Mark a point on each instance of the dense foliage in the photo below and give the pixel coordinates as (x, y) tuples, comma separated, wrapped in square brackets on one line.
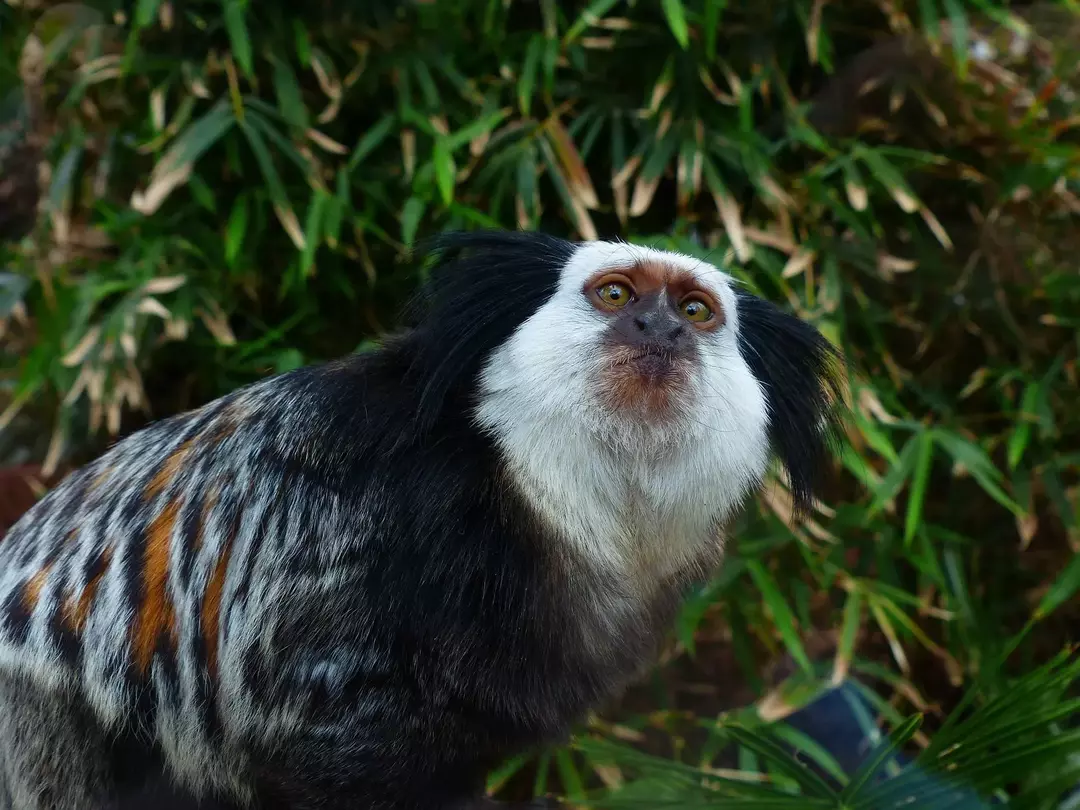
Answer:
[(230, 188)]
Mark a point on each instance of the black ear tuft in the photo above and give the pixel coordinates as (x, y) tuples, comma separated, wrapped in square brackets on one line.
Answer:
[(483, 285), (799, 370)]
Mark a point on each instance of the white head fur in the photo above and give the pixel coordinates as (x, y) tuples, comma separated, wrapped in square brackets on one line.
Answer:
[(627, 492)]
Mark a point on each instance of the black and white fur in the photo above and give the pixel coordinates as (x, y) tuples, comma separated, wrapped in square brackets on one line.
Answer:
[(425, 558)]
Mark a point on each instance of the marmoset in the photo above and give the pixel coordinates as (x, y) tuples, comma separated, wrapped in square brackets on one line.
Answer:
[(366, 583)]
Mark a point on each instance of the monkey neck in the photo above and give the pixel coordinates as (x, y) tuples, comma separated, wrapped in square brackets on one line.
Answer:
[(637, 515)]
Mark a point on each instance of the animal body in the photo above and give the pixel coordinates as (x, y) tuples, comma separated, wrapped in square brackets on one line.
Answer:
[(365, 583)]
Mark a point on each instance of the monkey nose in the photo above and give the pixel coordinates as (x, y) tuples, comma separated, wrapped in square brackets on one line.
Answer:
[(656, 325)]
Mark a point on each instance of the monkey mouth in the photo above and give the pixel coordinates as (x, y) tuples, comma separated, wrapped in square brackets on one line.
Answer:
[(646, 378), (653, 363)]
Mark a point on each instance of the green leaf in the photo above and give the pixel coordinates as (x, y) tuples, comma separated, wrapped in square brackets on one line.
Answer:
[(313, 228), (886, 174), (375, 135), (498, 777), (303, 43), (676, 19), (569, 777), (335, 212), (477, 128), (811, 748), (64, 177), (288, 95), (980, 466), (958, 23), (782, 761), (1065, 585), (711, 25), (924, 459), (898, 473), (781, 613), (145, 11), (1021, 434), (236, 229), (444, 171), (930, 20), (179, 159), (881, 753), (280, 200), (288, 360), (202, 193), (12, 290), (411, 214), (589, 15), (236, 25), (849, 628), (527, 82)]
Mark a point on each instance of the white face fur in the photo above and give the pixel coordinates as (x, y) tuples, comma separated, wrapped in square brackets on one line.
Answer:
[(637, 491)]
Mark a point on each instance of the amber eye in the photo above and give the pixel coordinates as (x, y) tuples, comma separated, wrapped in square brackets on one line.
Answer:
[(615, 294), (696, 310)]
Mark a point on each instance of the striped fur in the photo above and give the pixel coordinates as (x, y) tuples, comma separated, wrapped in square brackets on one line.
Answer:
[(363, 584)]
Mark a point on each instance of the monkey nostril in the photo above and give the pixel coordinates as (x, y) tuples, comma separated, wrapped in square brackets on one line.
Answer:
[(641, 322), (676, 333)]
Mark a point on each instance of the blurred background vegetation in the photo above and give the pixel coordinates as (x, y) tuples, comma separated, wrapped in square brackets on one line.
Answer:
[(198, 193)]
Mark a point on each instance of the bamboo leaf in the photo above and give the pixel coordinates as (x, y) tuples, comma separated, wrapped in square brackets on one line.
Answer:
[(313, 228), (145, 11), (676, 19), (1021, 434), (375, 135), (177, 163), (880, 755), (278, 198), (783, 618), (849, 631), (444, 171), (783, 762), (1064, 587), (236, 229), (924, 457), (236, 25), (411, 214), (288, 95)]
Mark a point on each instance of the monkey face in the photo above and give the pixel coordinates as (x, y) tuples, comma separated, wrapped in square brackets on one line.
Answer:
[(636, 347), (659, 316)]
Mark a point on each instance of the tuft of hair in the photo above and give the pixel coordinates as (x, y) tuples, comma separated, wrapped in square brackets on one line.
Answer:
[(799, 370), (482, 286)]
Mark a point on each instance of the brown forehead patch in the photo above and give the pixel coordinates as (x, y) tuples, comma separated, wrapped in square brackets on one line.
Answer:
[(654, 276)]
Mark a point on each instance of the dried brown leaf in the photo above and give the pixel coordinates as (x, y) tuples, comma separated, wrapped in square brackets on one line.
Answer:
[(83, 347), (216, 323), (856, 195), (798, 263), (888, 264), (644, 190), (576, 175), (936, 227), (732, 219), (151, 306), (327, 143), (288, 220), (147, 202), (163, 285)]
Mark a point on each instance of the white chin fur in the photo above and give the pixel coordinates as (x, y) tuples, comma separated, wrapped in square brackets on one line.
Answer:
[(618, 488)]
